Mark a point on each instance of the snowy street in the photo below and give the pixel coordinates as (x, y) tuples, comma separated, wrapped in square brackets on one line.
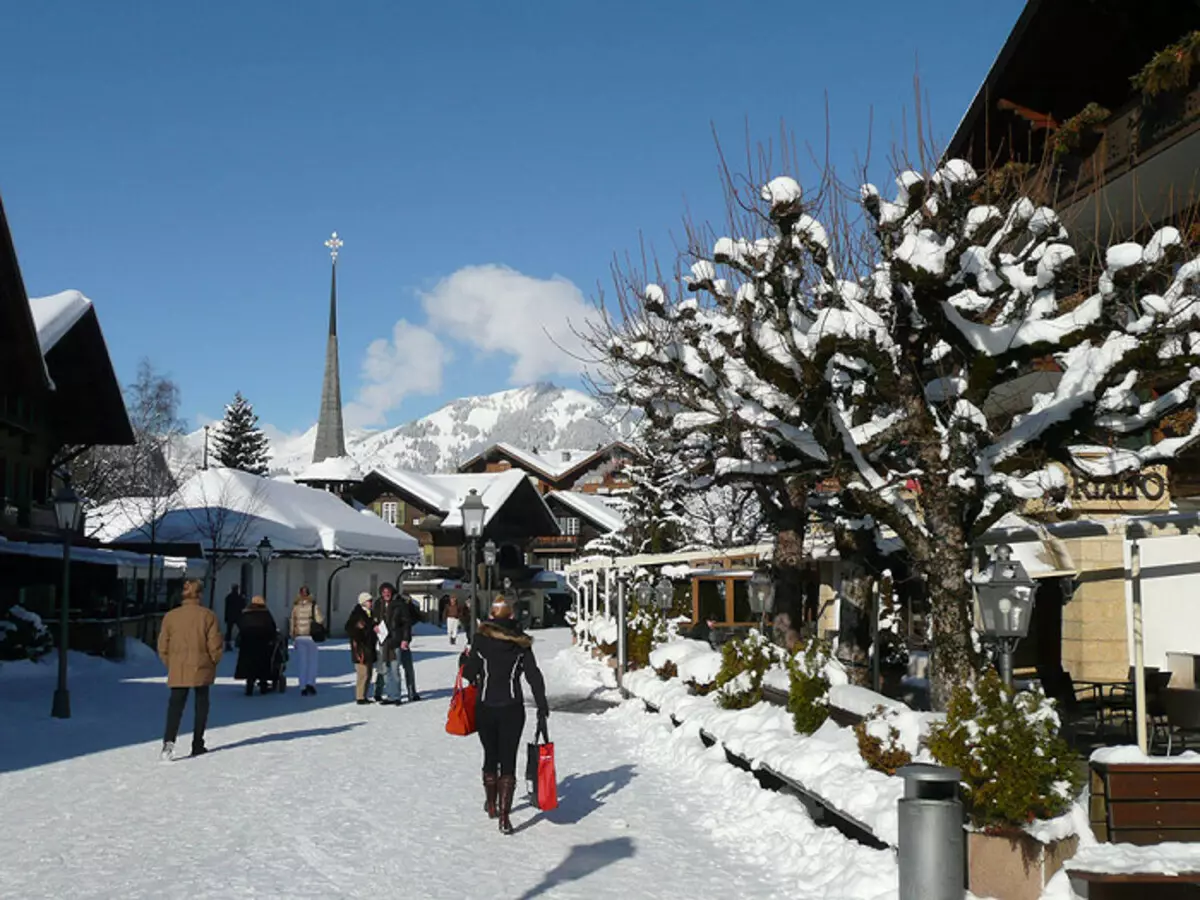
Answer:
[(318, 797)]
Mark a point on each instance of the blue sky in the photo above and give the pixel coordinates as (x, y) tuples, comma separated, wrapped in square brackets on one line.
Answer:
[(181, 164)]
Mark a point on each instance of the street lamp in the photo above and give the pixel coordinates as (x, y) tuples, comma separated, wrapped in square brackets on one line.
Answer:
[(473, 510), (761, 594), (643, 593), (664, 593), (264, 552), (67, 507), (489, 560), (1005, 594)]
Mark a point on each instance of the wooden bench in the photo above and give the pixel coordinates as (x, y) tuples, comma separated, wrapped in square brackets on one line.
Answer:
[(1135, 885), (1146, 803)]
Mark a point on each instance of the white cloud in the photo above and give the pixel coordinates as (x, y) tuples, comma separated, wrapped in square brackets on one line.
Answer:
[(410, 363), (498, 309)]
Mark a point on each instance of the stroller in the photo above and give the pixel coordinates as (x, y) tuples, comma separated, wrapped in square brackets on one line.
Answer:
[(279, 658)]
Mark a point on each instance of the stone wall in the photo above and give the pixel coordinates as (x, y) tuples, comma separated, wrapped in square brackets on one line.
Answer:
[(1094, 643)]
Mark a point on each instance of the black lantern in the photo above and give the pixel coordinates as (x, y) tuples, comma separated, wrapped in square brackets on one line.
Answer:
[(1005, 593), (761, 593), (67, 507), (643, 592), (264, 551), (664, 593), (473, 510)]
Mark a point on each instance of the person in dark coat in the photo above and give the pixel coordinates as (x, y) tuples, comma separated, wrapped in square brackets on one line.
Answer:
[(360, 629), (257, 632), (404, 615), (235, 603), (494, 662)]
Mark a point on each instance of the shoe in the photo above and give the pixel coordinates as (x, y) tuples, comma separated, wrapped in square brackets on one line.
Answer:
[(490, 788), (507, 786), (199, 749), (249, 690), (312, 690), (363, 702), (168, 752), (413, 698)]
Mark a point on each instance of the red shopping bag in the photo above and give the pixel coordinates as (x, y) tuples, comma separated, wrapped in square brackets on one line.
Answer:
[(539, 769), (461, 718)]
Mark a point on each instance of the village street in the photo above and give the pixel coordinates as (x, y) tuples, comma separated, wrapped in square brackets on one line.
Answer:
[(317, 797)]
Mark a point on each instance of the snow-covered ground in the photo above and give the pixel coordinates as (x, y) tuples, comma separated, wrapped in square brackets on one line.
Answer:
[(318, 797)]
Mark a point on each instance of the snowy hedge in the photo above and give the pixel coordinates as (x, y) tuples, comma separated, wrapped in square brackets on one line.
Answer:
[(23, 635)]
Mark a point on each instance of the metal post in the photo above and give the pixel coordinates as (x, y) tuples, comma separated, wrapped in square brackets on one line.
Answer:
[(1139, 661), (266, 565), (61, 706), (875, 676), (1004, 659), (329, 593), (474, 582), (622, 637)]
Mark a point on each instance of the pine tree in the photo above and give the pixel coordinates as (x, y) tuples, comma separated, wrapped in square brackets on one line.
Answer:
[(652, 506), (240, 443)]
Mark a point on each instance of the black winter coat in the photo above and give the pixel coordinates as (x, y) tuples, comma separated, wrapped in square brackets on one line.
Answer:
[(500, 653), (256, 636), (361, 631), (235, 604)]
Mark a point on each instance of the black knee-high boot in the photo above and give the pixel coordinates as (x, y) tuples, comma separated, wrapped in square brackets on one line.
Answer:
[(508, 785), (490, 788)]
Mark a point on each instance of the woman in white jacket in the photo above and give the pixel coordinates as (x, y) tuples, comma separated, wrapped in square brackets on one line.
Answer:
[(304, 613)]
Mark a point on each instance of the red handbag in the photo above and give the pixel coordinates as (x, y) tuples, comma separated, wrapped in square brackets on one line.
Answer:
[(461, 718), (539, 769)]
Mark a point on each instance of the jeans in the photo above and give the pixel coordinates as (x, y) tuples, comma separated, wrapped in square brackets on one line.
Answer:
[(306, 661), (387, 680), (452, 628), (175, 714), (406, 660), (500, 729)]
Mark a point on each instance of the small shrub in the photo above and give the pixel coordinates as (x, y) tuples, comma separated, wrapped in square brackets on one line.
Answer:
[(1015, 766), (23, 636), (701, 690), (1170, 68), (808, 694), (647, 629), (668, 670), (745, 661), (879, 742)]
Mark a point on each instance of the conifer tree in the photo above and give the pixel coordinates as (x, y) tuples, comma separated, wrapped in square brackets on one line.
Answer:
[(240, 443)]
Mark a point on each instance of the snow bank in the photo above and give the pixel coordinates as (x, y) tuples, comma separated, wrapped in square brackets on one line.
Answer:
[(1131, 754), (1118, 859), (82, 665)]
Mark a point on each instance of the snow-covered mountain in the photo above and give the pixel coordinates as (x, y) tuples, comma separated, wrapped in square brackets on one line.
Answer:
[(542, 415)]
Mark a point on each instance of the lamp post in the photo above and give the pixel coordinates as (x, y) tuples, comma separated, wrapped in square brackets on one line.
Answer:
[(264, 551), (664, 593), (473, 510), (489, 560), (643, 592), (1005, 591), (761, 594), (67, 507)]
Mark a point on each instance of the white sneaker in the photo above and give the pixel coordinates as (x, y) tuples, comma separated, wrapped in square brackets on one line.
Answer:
[(168, 752)]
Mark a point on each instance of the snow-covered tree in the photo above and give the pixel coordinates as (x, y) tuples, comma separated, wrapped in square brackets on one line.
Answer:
[(722, 516), (927, 386), (240, 443)]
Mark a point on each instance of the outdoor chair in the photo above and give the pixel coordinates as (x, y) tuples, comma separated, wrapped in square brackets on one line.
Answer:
[(1057, 685), (1182, 710)]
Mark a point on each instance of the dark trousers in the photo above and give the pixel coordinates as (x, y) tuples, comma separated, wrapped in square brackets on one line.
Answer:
[(406, 661), (500, 729), (175, 714), (229, 633)]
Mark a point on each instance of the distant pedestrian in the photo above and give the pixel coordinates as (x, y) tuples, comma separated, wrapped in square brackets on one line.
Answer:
[(498, 655), (455, 610), (190, 646), (304, 613), (256, 635), (234, 604), (361, 631)]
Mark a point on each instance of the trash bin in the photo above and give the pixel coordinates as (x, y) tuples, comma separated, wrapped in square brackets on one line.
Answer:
[(931, 852)]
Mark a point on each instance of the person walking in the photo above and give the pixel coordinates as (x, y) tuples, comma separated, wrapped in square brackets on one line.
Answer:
[(304, 613), (383, 613), (362, 633), (494, 662), (257, 633), (454, 616), (190, 645), (234, 604)]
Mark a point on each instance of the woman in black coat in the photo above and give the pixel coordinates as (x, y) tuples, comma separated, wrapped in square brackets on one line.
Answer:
[(360, 629), (499, 654), (257, 633)]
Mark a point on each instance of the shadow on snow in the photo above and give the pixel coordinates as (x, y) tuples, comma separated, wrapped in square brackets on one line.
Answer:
[(583, 860)]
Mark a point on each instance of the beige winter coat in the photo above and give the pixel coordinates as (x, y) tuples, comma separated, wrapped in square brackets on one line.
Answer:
[(190, 645), (304, 611)]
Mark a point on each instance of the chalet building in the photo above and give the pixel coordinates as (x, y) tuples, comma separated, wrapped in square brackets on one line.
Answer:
[(583, 471), (1095, 91), (582, 518), (59, 396), (428, 508)]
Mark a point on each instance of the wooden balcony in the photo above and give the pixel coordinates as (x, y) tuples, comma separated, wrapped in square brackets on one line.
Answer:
[(565, 543)]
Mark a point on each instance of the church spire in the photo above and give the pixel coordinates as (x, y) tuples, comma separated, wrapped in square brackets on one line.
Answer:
[(330, 438)]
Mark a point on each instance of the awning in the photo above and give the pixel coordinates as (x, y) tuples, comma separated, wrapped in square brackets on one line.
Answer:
[(130, 562), (1046, 557)]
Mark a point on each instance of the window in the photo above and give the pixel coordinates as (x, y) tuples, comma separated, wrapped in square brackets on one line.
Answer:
[(569, 525), (552, 563), (416, 521), (390, 511)]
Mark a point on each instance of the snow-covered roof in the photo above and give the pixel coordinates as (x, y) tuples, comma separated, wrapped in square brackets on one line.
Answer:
[(591, 507), (551, 463), (240, 509), (57, 314), (334, 468), (446, 493)]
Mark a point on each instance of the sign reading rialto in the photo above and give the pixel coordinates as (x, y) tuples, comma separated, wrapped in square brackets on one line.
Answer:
[(1142, 491)]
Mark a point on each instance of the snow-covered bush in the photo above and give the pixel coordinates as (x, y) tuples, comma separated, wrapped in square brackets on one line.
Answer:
[(1015, 766), (745, 660), (880, 742), (23, 635), (646, 629), (667, 670), (808, 694)]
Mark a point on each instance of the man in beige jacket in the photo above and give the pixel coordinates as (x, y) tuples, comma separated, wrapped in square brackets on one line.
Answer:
[(190, 645)]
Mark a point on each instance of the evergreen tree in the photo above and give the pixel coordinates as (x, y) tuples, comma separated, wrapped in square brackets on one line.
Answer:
[(652, 506), (240, 443)]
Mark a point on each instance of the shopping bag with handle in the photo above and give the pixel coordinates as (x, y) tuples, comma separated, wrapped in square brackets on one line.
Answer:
[(539, 769), (461, 718)]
